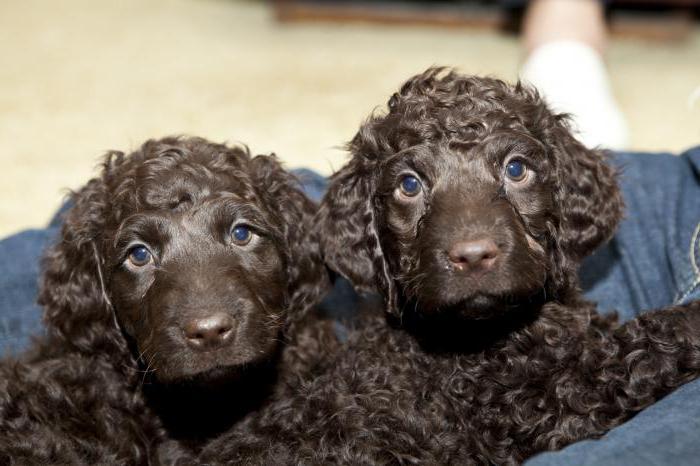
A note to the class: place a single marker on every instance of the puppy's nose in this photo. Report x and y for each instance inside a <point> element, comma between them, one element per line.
<point>209,332</point>
<point>472,255</point>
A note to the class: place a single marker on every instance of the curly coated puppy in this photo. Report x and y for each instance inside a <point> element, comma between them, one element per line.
<point>178,273</point>
<point>468,207</point>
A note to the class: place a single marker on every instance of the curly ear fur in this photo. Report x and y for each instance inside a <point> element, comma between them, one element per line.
<point>348,231</point>
<point>589,199</point>
<point>308,279</point>
<point>78,313</point>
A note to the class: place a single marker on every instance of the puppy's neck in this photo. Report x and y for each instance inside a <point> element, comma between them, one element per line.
<point>195,410</point>
<point>454,330</point>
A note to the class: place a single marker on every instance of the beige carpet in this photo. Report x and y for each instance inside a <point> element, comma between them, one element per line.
<point>78,77</point>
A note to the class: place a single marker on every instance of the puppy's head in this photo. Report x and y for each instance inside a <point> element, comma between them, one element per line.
<point>197,252</point>
<point>468,195</point>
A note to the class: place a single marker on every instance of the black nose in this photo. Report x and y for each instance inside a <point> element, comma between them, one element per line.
<point>209,332</point>
<point>473,255</point>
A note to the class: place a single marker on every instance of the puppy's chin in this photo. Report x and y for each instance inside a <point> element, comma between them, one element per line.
<point>474,307</point>
<point>209,376</point>
<point>211,369</point>
<point>218,375</point>
<point>480,306</point>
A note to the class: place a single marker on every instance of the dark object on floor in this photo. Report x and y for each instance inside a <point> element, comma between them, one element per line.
<point>668,20</point>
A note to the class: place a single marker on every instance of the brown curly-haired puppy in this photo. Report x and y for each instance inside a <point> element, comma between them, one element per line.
<point>179,271</point>
<point>469,206</point>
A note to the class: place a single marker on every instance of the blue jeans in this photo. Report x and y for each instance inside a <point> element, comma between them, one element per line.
<point>654,258</point>
<point>653,261</point>
<point>20,258</point>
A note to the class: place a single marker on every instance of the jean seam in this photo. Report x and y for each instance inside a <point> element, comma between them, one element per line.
<point>694,254</point>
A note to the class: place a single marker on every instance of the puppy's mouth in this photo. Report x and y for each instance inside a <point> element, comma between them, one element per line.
<point>199,373</point>
<point>218,374</point>
<point>224,365</point>
<point>478,306</point>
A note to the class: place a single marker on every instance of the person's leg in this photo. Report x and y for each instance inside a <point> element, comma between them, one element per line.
<point>654,258</point>
<point>20,315</point>
<point>565,42</point>
<point>547,21</point>
<point>313,184</point>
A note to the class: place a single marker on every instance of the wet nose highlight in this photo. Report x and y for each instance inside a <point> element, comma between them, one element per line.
<point>474,254</point>
<point>209,332</point>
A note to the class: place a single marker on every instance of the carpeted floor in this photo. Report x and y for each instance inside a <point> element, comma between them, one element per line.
<point>79,77</point>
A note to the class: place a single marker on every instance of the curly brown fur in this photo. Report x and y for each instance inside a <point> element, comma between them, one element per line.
<point>145,359</point>
<point>482,358</point>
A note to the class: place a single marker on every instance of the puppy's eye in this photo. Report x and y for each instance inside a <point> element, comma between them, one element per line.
<point>139,255</point>
<point>241,235</point>
<point>410,186</point>
<point>516,170</point>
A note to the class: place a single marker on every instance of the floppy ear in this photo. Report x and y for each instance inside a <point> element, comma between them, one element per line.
<point>308,278</point>
<point>348,231</point>
<point>589,198</point>
<point>77,310</point>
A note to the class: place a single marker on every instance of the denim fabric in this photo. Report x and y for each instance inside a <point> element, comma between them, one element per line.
<point>20,256</point>
<point>314,184</point>
<point>652,262</point>
<point>654,258</point>
<point>20,316</point>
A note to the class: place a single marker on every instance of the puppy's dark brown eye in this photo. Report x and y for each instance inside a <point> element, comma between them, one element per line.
<point>410,186</point>
<point>516,170</point>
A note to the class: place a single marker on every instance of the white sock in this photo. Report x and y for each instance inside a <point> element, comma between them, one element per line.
<point>572,78</point>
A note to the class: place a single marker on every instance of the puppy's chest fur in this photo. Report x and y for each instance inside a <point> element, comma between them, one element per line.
<point>508,396</point>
